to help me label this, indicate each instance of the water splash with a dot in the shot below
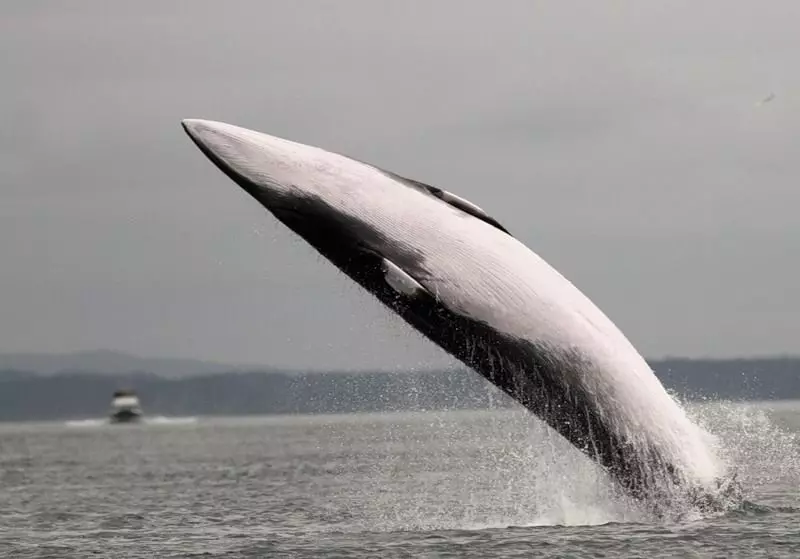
(757, 441)
(501, 468)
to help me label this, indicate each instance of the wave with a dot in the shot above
(164, 420)
(86, 422)
(154, 420)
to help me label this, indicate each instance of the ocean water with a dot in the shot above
(450, 484)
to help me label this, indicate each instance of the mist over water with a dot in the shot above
(468, 483)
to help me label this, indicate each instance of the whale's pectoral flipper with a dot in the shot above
(451, 199)
(400, 281)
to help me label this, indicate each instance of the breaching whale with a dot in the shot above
(456, 275)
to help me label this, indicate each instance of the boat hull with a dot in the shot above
(126, 416)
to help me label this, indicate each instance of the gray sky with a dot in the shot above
(622, 141)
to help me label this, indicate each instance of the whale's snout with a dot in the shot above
(192, 126)
(215, 139)
(317, 194)
(267, 167)
(219, 136)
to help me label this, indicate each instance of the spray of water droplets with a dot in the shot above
(500, 468)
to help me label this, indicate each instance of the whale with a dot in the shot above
(462, 280)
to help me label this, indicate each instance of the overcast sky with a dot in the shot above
(650, 151)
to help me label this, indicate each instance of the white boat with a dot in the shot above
(125, 407)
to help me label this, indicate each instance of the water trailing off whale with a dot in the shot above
(461, 279)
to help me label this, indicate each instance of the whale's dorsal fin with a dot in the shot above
(449, 198)
(401, 281)
(467, 207)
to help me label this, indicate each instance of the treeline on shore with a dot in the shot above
(71, 395)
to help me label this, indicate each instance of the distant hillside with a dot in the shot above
(108, 362)
(776, 378)
(26, 396)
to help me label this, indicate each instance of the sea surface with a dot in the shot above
(448, 484)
